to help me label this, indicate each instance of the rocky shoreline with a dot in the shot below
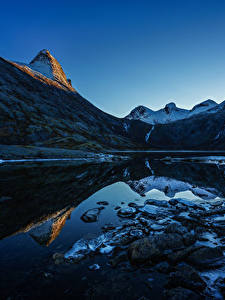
(16, 152)
(181, 239)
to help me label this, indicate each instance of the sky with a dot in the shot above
(121, 54)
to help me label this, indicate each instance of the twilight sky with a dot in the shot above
(120, 54)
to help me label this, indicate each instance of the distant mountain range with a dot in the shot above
(171, 112)
(40, 107)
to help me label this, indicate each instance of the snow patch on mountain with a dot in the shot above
(126, 126)
(149, 133)
(221, 134)
(170, 112)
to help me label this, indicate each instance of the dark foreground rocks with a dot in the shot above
(180, 293)
(206, 257)
(179, 239)
(154, 248)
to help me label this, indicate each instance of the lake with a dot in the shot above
(46, 207)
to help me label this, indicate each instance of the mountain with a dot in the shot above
(44, 64)
(169, 113)
(38, 106)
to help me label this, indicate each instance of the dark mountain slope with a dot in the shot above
(205, 131)
(39, 111)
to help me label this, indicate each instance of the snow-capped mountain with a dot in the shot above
(44, 64)
(169, 113)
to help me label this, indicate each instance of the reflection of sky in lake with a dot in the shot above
(21, 252)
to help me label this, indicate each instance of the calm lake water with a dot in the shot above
(41, 205)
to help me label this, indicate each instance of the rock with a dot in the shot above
(189, 239)
(168, 241)
(206, 257)
(126, 212)
(132, 204)
(123, 237)
(219, 220)
(180, 293)
(91, 215)
(118, 259)
(94, 267)
(153, 211)
(173, 202)
(187, 277)
(184, 202)
(117, 207)
(83, 247)
(160, 203)
(176, 228)
(145, 222)
(58, 258)
(139, 251)
(217, 203)
(156, 227)
(137, 233)
(152, 248)
(106, 249)
(78, 251)
(208, 213)
(97, 242)
(164, 221)
(108, 227)
(181, 255)
(102, 203)
(220, 284)
(163, 267)
(57, 255)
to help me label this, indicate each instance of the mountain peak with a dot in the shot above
(43, 54)
(170, 112)
(205, 105)
(170, 107)
(48, 66)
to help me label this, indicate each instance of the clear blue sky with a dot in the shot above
(120, 54)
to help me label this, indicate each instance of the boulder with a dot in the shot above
(189, 239)
(181, 255)
(163, 267)
(127, 212)
(176, 228)
(180, 293)
(91, 215)
(187, 277)
(206, 257)
(153, 248)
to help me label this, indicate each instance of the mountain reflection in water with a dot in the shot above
(40, 197)
(41, 204)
